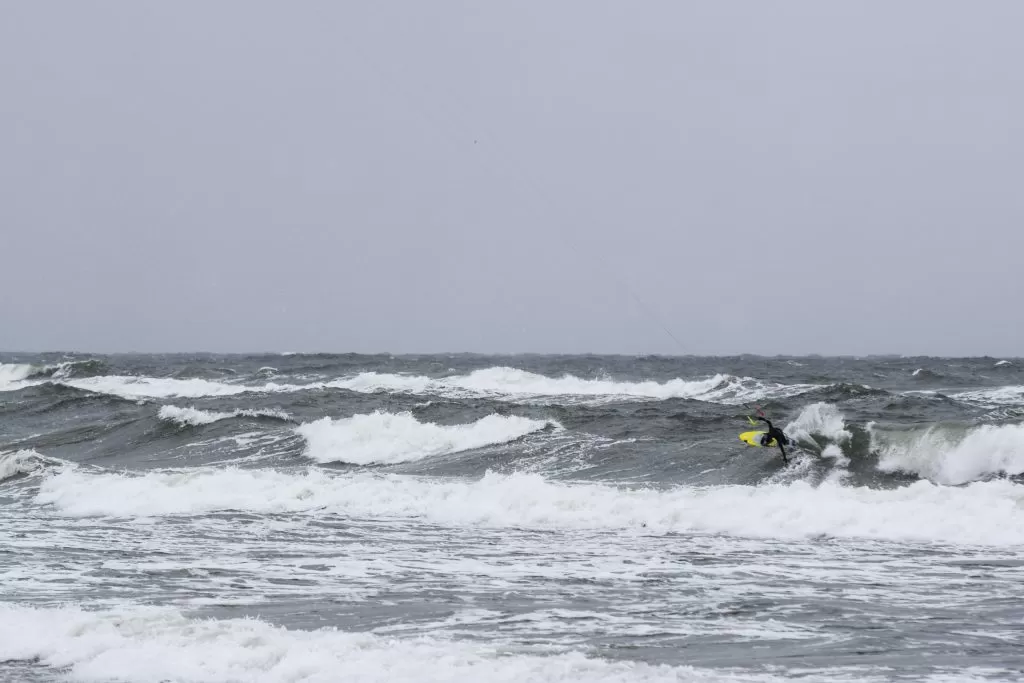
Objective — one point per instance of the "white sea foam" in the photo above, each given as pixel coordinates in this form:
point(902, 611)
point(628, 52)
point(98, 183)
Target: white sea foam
point(152, 644)
point(194, 417)
point(950, 457)
point(1001, 363)
point(1000, 396)
point(983, 513)
point(383, 438)
point(835, 452)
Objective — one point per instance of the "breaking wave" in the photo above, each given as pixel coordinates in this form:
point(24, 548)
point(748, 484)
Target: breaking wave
point(157, 387)
point(821, 424)
point(949, 456)
point(501, 383)
point(15, 376)
point(12, 375)
point(1000, 396)
point(505, 382)
point(385, 438)
point(73, 368)
point(924, 375)
point(981, 513)
point(193, 417)
point(20, 462)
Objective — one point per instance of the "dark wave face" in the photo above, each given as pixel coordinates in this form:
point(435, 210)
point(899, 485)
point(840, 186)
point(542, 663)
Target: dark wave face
point(552, 505)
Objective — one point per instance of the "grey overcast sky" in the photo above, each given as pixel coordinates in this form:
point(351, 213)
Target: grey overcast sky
point(569, 176)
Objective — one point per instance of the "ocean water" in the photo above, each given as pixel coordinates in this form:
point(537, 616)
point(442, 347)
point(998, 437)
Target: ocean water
point(295, 517)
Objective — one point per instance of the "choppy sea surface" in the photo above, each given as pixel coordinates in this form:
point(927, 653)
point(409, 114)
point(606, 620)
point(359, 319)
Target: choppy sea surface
point(295, 517)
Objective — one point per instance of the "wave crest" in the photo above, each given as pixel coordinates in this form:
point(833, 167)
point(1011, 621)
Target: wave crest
point(193, 417)
point(819, 420)
point(15, 376)
point(12, 375)
point(386, 438)
point(135, 388)
point(20, 462)
point(981, 513)
point(999, 396)
point(505, 382)
point(500, 383)
point(945, 456)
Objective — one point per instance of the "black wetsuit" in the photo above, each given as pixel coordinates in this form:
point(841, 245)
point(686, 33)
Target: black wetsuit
point(777, 434)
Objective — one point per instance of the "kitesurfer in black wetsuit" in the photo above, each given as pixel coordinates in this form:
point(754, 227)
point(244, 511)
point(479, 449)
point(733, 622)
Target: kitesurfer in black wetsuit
point(774, 433)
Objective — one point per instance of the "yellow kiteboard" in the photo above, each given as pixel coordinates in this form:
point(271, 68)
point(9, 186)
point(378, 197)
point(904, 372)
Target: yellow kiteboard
point(754, 439)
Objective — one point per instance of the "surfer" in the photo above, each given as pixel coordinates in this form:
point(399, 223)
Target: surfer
point(774, 433)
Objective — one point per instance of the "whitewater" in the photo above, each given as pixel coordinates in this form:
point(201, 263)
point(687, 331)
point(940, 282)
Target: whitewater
point(291, 517)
